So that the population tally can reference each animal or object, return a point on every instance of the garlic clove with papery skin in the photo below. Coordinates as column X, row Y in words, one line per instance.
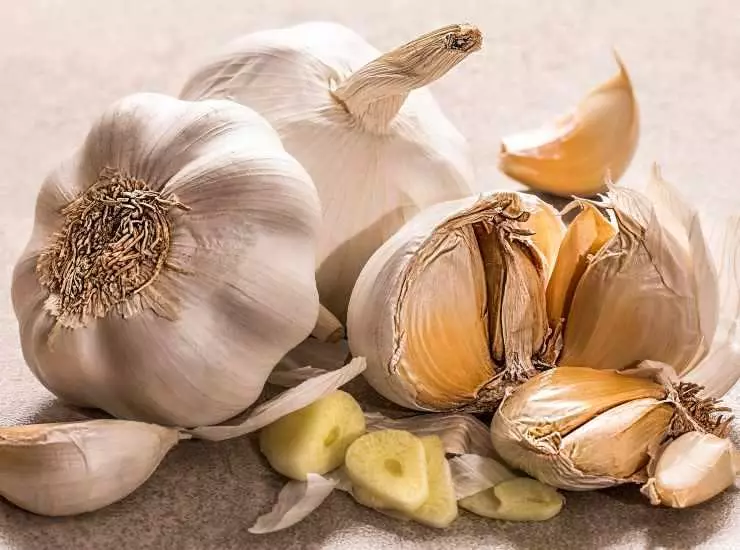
column 72, row 468
column 580, row 152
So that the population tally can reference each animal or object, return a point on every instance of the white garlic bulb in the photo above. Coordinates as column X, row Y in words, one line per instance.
column 451, row 310
column 377, row 148
column 171, row 264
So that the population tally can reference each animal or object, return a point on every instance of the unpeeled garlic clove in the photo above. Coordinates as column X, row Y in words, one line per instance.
column 579, row 152
column 692, row 469
column 72, row 468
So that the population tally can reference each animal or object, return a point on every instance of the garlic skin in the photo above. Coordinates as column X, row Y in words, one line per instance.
column 232, row 292
column 72, row 468
column 692, row 469
column 581, row 151
column 378, row 148
column 451, row 309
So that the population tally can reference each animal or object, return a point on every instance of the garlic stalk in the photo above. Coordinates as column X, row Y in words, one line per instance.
column 374, row 141
column 451, row 310
column 72, row 468
column 581, row 151
column 171, row 264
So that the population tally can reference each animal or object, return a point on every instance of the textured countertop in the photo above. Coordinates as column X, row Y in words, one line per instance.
column 62, row 62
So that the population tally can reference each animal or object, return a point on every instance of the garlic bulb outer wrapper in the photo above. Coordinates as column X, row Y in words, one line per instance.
column 72, row 468
column 581, row 151
column 231, row 294
column 378, row 148
column 421, row 307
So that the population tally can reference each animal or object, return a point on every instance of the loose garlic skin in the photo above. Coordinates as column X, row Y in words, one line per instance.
column 231, row 294
column 375, row 142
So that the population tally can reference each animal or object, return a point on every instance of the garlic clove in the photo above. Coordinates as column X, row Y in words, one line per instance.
column 72, row 468
column 586, row 234
column 579, row 152
column 517, row 499
column 692, row 469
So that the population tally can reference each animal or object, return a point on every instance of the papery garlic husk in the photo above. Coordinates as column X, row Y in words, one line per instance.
column 171, row 264
column 578, row 428
column 72, row 468
column 635, row 286
column 580, row 152
column 375, row 142
column 692, row 469
column 451, row 310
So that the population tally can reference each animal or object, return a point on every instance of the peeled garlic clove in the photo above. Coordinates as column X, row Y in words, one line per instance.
column 72, row 468
column 518, row 499
column 452, row 308
column 440, row 508
column 692, row 469
column 578, row 153
column 313, row 439
column 391, row 466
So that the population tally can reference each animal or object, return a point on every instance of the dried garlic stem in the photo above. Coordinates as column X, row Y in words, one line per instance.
column 375, row 93
column 695, row 413
column 114, row 243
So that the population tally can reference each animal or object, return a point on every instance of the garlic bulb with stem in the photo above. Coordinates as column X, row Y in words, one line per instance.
column 578, row 153
column 171, row 264
column 71, row 468
column 374, row 141
column 451, row 310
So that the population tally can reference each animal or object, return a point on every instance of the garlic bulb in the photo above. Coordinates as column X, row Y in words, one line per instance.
column 578, row 428
column 580, row 152
column 377, row 148
column 692, row 469
column 72, row 468
column 171, row 264
column 634, row 287
column 451, row 310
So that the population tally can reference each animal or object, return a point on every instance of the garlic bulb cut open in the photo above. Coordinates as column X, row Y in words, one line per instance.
column 580, row 152
column 578, row 428
column 635, row 288
column 451, row 310
column 171, row 264
column 692, row 469
column 72, row 468
column 378, row 148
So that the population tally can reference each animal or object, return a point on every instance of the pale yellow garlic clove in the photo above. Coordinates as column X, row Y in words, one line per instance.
column 72, row 468
column 580, row 152
column 518, row 499
column 692, row 469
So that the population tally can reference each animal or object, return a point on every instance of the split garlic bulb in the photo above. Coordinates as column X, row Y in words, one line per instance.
column 451, row 310
column 72, row 468
column 171, row 264
column 378, row 149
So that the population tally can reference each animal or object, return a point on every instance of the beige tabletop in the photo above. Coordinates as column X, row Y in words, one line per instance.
column 63, row 61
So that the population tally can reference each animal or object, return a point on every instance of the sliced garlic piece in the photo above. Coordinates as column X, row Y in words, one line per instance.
column 440, row 508
column 578, row 153
column 313, row 439
column 391, row 466
column 692, row 469
column 72, row 468
column 518, row 499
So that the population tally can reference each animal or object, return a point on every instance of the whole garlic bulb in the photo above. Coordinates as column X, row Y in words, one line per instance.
column 451, row 310
column 171, row 264
column 377, row 148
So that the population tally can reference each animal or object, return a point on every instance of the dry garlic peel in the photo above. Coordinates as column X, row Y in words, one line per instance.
column 378, row 148
column 451, row 309
column 72, row 468
column 171, row 264
column 578, row 153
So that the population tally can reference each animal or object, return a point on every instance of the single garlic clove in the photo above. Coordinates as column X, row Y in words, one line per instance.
column 518, row 499
column 578, row 153
column 692, row 469
column 315, row 438
column 391, row 466
column 72, row 468
column 440, row 508
column 586, row 234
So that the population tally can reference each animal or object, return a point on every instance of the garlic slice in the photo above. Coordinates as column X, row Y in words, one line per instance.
column 71, row 468
column 579, row 152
